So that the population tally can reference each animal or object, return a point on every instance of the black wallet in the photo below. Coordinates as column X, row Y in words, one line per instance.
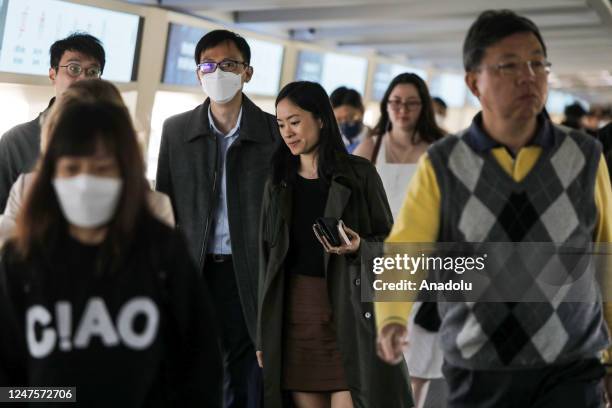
column 328, row 227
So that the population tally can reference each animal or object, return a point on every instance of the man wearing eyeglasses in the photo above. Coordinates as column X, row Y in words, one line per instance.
column 512, row 176
column 213, row 163
column 78, row 56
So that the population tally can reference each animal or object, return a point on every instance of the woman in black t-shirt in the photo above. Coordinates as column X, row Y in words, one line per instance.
column 316, row 338
column 95, row 293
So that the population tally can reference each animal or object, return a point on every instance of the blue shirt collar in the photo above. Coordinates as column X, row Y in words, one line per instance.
column 232, row 132
column 478, row 139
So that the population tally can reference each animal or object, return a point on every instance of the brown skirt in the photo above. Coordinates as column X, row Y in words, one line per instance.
column 311, row 360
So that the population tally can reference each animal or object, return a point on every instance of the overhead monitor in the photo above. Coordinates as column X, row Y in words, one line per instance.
column 385, row 73
column 451, row 88
column 332, row 70
column 180, row 66
column 29, row 27
column 267, row 62
column 3, row 10
column 557, row 101
column 309, row 66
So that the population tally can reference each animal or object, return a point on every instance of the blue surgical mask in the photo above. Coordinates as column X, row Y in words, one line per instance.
column 350, row 130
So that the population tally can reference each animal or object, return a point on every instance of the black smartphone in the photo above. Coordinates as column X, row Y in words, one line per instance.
column 329, row 228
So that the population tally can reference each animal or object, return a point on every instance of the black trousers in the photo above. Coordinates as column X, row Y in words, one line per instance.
column 577, row 384
column 243, row 378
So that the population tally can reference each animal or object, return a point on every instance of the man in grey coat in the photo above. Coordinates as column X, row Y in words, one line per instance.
column 78, row 56
column 213, row 163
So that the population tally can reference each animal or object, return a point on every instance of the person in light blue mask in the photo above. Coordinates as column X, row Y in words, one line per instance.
column 349, row 110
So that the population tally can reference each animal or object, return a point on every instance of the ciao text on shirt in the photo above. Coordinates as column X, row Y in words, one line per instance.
column 43, row 333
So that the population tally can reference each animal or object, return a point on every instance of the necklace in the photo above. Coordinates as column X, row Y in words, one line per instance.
column 402, row 153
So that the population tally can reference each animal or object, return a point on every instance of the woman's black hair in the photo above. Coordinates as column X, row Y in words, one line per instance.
column 311, row 97
column 426, row 127
column 81, row 129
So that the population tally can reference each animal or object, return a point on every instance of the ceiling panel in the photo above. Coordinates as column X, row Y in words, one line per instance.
column 578, row 33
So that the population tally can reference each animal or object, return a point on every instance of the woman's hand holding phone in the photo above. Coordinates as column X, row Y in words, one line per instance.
column 350, row 240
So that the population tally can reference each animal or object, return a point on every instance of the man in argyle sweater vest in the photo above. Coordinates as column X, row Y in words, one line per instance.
column 512, row 176
column 555, row 202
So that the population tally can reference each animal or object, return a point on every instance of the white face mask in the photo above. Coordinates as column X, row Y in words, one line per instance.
column 221, row 86
column 88, row 201
column 439, row 120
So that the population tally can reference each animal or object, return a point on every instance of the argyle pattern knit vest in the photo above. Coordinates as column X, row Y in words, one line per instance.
column 554, row 203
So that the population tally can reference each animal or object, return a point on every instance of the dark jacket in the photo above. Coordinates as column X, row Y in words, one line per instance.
column 605, row 137
column 19, row 150
column 187, row 173
column 143, row 333
column 356, row 196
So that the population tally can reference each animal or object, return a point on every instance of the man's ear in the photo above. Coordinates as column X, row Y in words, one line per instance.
column 471, row 80
column 52, row 74
column 248, row 74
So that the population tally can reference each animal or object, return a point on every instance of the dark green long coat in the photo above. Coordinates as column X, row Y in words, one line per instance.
column 356, row 196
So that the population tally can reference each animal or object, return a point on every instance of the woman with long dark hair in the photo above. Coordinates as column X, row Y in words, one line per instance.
column 95, row 292
column 406, row 128
column 316, row 338
column 407, row 123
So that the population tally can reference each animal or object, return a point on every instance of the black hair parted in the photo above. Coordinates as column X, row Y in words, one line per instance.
column 346, row 96
column 84, row 43
column 216, row 37
column 490, row 27
column 311, row 97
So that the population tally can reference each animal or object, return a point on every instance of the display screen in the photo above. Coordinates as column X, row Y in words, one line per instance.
column 310, row 66
column 29, row 27
column 3, row 9
column 385, row 73
column 180, row 66
column 267, row 62
column 332, row 70
column 451, row 88
column 557, row 101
